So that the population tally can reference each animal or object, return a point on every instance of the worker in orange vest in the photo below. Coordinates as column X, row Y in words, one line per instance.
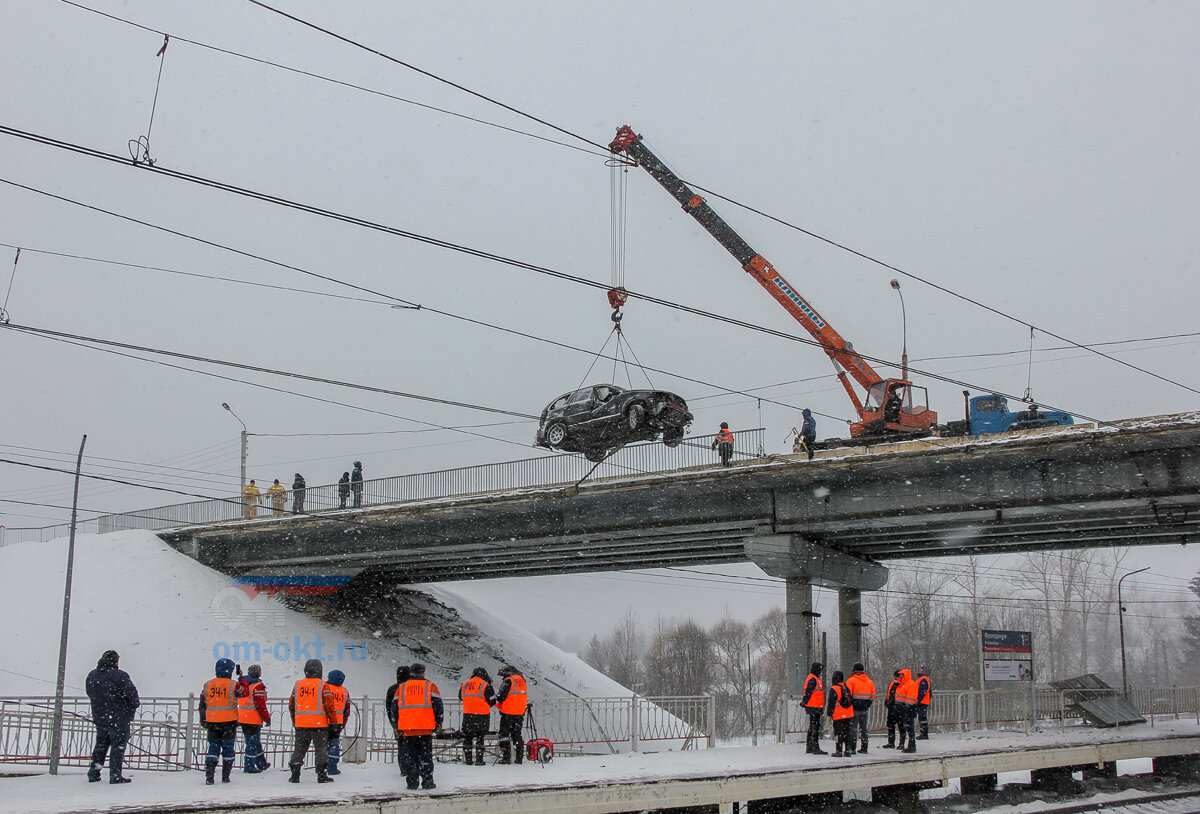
column 813, row 702
column 862, row 693
column 418, row 715
column 336, row 699
column 477, row 698
column 252, row 714
column 219, row 713
column 893, row 719
column 924, row 697
column 723, row 443
column 840, row 708
column 906, row 710
column 512, row 699
column 310, row 708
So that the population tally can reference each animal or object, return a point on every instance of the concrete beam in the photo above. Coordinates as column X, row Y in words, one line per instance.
column 792, row 556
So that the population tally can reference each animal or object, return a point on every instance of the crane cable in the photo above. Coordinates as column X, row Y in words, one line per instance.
column 11, row 279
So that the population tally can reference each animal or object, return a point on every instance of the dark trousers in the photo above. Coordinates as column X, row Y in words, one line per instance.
column 907, row 714
column 923, row 718
column 297, row 502
column 808, row 441
column 253, row 759
column 401, row 755
column 357, row 495
column 334, row 748
column 893, row 723
column 318, row 738
column 844, row 734
column 860, row 721
column 814, row 728
column 222, row 738
column 725, row 450
column 111, row 740
column 418, row 759
column 509, row 736
column 474, row 727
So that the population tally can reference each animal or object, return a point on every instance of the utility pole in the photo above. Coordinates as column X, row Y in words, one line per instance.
column 1121, row 625
column 244, row 442
column 56, row 727
column 903, row 334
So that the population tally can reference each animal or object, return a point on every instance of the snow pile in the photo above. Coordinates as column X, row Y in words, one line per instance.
column 170, row 617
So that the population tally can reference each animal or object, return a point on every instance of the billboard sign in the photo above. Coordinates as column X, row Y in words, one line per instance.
column 1007, row 670
column 1017, row 643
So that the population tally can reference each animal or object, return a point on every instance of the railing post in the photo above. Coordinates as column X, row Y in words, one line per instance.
column 712, row 721
column 189, row 754
column 634, row 723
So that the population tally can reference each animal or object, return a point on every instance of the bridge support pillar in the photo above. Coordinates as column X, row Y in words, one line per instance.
column 850, row 627
column 799, row 612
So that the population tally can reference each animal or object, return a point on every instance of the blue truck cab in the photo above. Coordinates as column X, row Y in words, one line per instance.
column 990, row 414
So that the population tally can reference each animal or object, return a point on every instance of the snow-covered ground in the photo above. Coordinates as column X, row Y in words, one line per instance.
column 170, row 617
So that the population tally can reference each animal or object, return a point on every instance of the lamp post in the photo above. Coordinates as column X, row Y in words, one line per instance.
column 903, row 334
column 1121, row 625
column 244, row 434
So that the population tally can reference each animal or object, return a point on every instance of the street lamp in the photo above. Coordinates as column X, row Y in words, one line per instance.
column 244, row 434
column 1121, row 625
column 904, row 333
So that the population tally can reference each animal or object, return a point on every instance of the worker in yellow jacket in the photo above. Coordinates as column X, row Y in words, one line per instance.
column 251, row 498
column 278, row 496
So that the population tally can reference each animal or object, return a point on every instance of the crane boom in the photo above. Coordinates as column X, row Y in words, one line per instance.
column 906, row 411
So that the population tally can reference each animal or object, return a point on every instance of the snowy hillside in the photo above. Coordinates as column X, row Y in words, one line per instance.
column 170, row 617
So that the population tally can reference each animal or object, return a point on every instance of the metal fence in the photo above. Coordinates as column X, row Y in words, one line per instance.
column 966, row 710
column 167, row 735
column 550, row 470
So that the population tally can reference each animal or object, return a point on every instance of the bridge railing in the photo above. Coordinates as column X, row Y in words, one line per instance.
column 966, row 710
column 547, row 470
column 166, row 734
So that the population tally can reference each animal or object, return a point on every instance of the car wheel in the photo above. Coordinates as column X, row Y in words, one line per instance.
column 556, row 433
column 672, row 438
column 635, row 416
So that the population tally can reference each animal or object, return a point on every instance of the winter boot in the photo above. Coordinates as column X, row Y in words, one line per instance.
column 120, row 779
column 505, row 756
column 295, row 767
column 519, row 756
column 912, row 747
column 924, row 736
column 478, row 756
column 862, row 750
column 226, row 769
column 323, row 777
column 467, row 755
column 836, row 753
column 94, row 772
column 210, row 772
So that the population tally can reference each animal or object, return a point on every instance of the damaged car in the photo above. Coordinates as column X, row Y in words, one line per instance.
column 599, row 418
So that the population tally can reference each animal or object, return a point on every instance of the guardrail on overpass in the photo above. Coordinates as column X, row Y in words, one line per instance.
column 546, row 470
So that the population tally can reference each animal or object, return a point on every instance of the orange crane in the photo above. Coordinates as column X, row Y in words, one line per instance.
column 889, row 407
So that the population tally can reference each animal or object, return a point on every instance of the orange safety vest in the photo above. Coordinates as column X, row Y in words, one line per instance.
column 817, row 699
column 515, row 702
column 308, row 700
column 472, row 697
column 928, row 691
column 219, row 704
column 906, row 693
column 841, row 713
column 862, row 688
column 247, row 712
column 333, row 699
column 414, row 707
column 725, row 437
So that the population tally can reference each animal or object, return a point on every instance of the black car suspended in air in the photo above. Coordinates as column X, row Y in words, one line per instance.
column 597, row 419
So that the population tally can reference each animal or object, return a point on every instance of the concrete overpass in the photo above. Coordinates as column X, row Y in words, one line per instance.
column 831, row 522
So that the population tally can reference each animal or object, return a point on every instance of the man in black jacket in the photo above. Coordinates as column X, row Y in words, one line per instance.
column 402, row 675
column 114, row 701
column 298, row 489
column 356, row 484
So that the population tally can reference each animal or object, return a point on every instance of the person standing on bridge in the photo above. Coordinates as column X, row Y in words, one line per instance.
column 278, row 496
column 336, row 699
column 862, row 693
column 511, row 699
column 114, row 702
column 813, row 702
column 419, row 713
column 723, row 443
column 356, row 484
column 808, row 432
column 477, row 698
column 906, row 710
column 251, row 497
column 893, row 719
column 251, row 696
column 310, row 717
column 219, row 713
column 924, row 697
column 343, row 490
column 298, row 487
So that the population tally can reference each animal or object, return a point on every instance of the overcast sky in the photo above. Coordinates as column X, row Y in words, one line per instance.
column 1038, row 158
